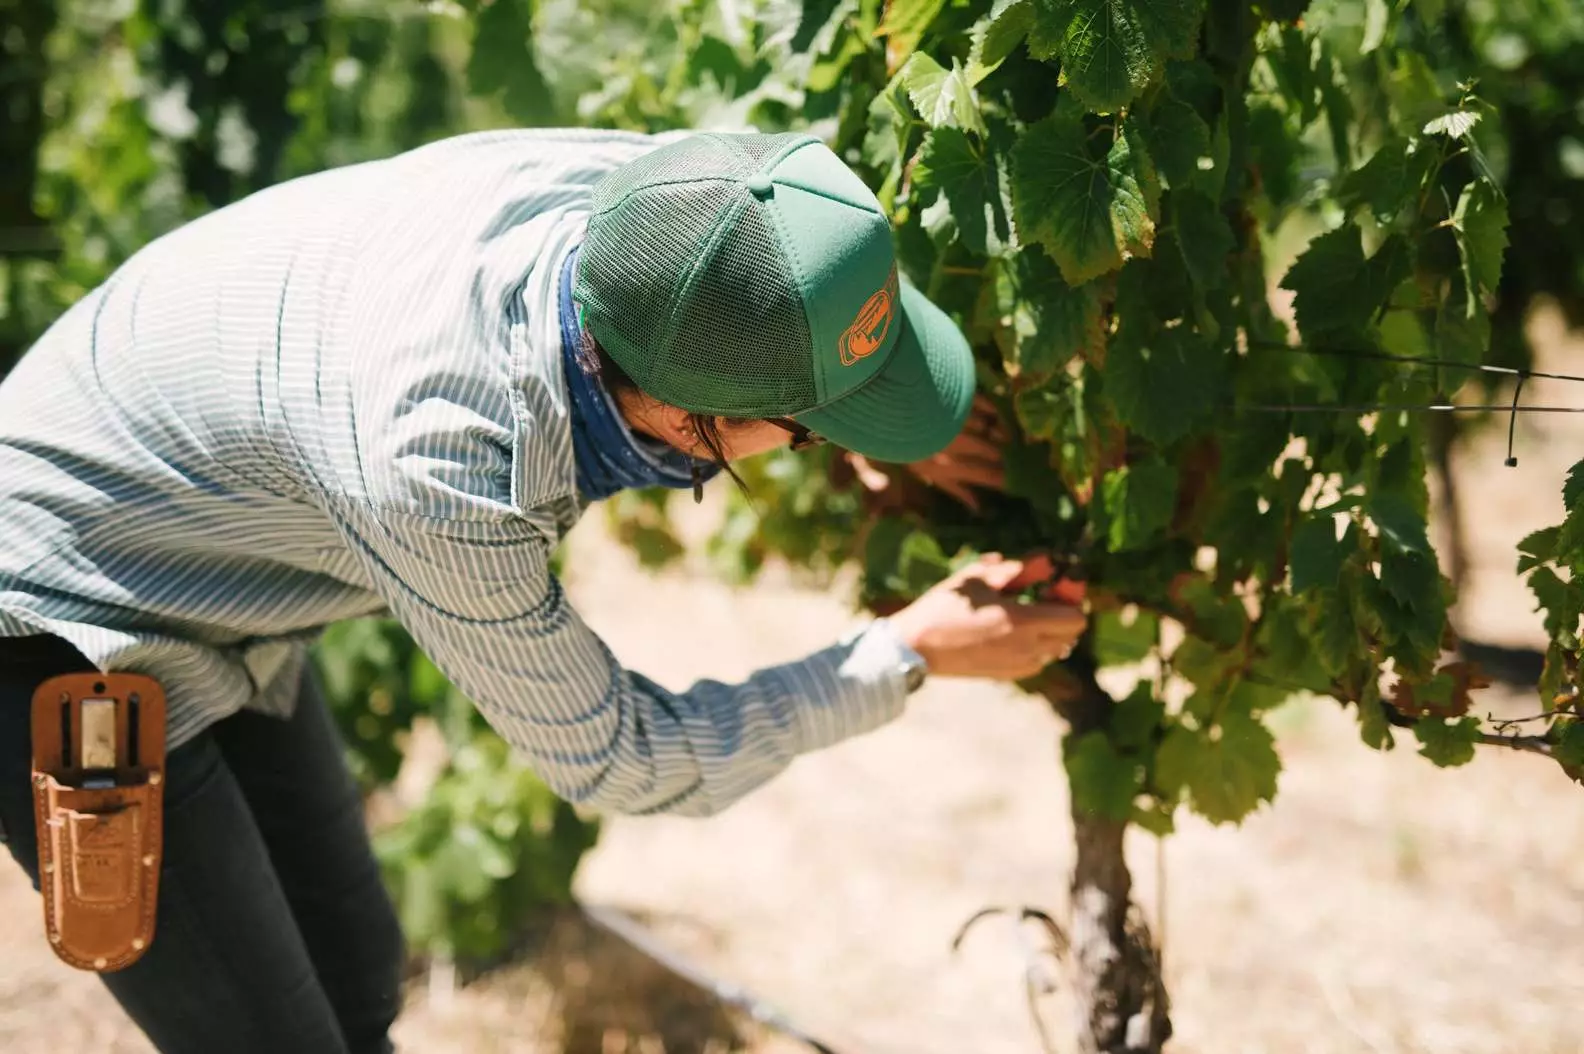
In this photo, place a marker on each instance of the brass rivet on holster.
(154, 779)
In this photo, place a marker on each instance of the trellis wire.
(1513, 409)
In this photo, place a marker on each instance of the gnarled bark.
(1118, 998)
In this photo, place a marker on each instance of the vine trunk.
(1118, 998)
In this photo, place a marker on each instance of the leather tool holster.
(98, 801)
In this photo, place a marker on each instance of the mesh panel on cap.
(736, 341)
(692, 158)
(761, 148)
(634, 263)
(742, 338)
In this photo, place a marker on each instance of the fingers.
(1066, 591)
(994, 570)
(870, 477)
(1048, 619)
(1038, 567)
(1029, 666)
(953, 489)
(969, 445)
(969, 472)
(984, 419)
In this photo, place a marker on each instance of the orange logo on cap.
(868, 330)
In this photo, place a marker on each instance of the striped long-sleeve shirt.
(342, 396)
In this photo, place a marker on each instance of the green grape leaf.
(1406, 609)
(1570, 542)
(1462, 325)
(1563, 603)
(943, 97)
(1337, 636)
(1447, 743)
(1226, 774)
(1164, 388)
(1111, 50)
(1283, 652)
(1573, 488)
(1041, 410)
(1336, 290)
(1454, 125)
(1480, 224)
(1103, 781)
(1537, 547)
(1051, 321)
(1062, 197)
(1374, 730)
(1203, 664)
(997, 35)
(1555, 676)
(889, 123)
(1325, 284)
(1317, 555)
(1218, 616)
(1139, 499)
(970, 180)
(1399, 523)
(1136, 190)
(904, 25)
(1136, 719)
(1179, 141)
(1569, 750)
(1121, 642)
(1390, 182)
(1204, 236)
(1085, 210)
(1412, 579)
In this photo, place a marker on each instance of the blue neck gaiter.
(608, 455)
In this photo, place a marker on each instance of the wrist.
(906, 629)
(912, 665)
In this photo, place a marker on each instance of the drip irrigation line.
(627, 929)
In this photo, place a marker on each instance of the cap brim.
(917, 404)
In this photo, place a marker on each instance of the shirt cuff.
(871, 679)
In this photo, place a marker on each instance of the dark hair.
(597, 362)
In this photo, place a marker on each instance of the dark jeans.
(274, 934)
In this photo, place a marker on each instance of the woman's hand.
(967, 625)
(972, 460)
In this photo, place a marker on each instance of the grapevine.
(1165, 225)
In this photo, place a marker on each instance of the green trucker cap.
(751, 275)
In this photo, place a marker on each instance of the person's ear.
(672, 425)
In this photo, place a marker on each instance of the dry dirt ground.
(1381, 906)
